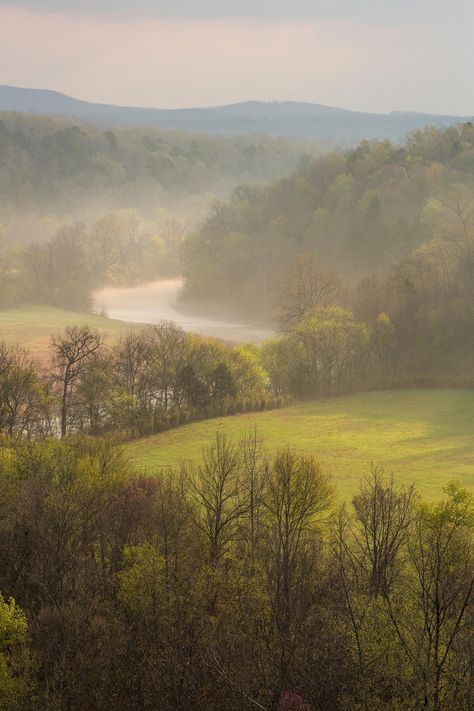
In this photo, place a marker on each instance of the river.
(149, 303)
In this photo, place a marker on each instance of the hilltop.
(287, 118)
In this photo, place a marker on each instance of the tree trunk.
(64, 405)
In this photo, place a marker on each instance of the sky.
(368, 55)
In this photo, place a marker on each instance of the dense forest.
(374, 245)
(363, 259)
(236, 356)
(359, 212)
(62, 165)
(235, 583)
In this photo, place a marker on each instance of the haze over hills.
(292, 119)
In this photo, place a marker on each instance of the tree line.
(233, 583)
(160, 377)
(146, 382)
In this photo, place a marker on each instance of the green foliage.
(142, 583)
(337, 349)
(285, 360)
(13, 631)
(357, 211)
(13, 626)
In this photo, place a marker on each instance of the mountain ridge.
(284, 118)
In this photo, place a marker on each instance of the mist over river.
(149, 303)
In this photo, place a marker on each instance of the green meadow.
(33, 326)
(421, 436)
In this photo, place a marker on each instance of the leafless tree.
(71, 352)
(458, 227)
(432, 612)
(23, 397)
(215, 486)
(298, 494)
(255, 470)
(166, 348)
(384, 515)
(306, 286)
(369, 549)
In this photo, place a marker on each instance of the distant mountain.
(288, 118)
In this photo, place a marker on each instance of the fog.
(236, 356)
(158, 300)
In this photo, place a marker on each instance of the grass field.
(422, 436)
(32, 326)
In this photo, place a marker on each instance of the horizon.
(297, 102)
(367, 58)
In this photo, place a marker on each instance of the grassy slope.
(32, 326)
(422, 436)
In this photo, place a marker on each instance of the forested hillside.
(300, 119)
(57, 164)
(358, 212)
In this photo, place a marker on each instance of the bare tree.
(431, 613)
(306, 286)
(298, 494)
(131, 374)
(23, 398)
(254, 482)
(369, 549)
(215, 486)
(71, 352)
(458, 228)
(166, 348)
(173, 231)
(384, 515)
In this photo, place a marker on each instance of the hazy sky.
(376, 55)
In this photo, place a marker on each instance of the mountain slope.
(305, 120)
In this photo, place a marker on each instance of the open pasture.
(422, 436)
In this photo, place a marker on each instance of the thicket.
(235, 583)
